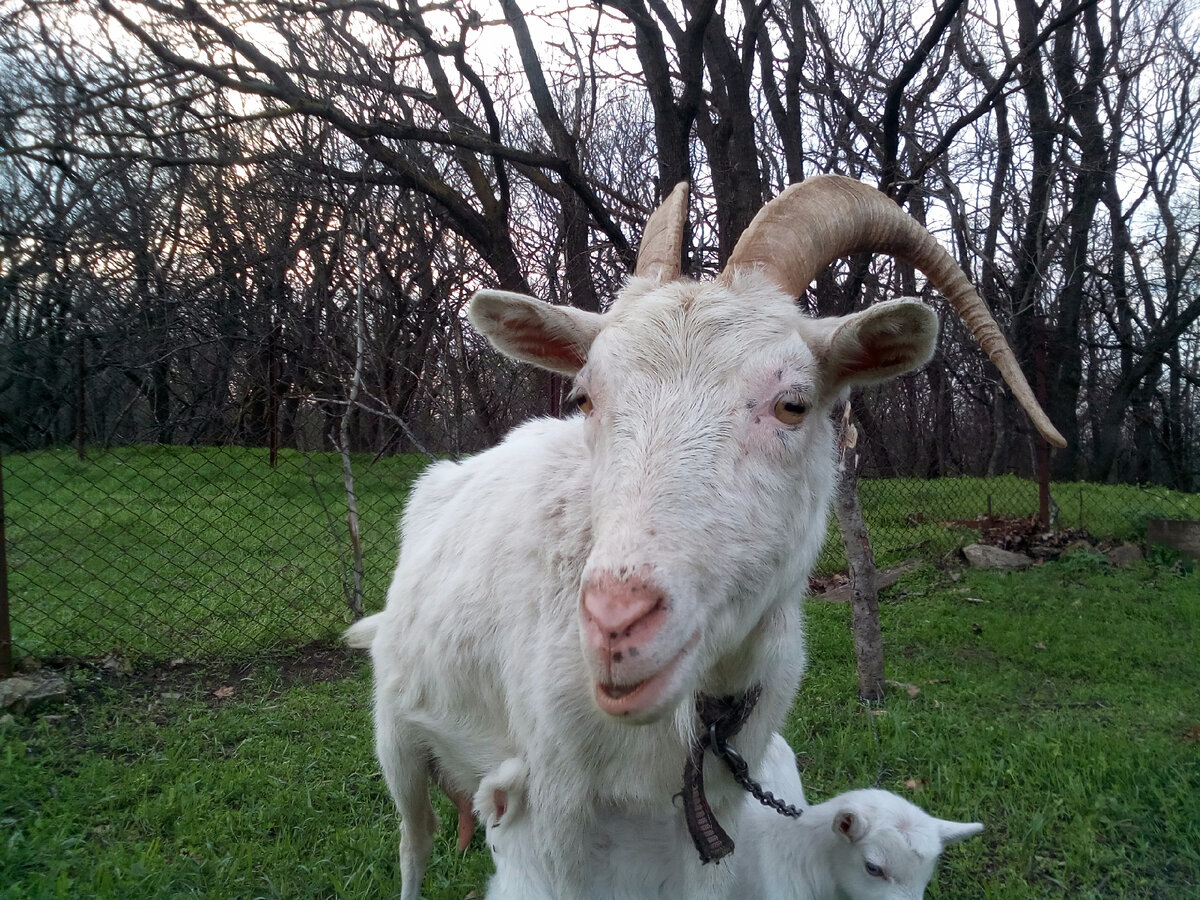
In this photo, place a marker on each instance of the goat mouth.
(628, 699)
(619, 691)
(640, 697)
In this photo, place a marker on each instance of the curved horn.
(821, 219)
(662, 241)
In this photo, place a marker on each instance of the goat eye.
(581, 402)
(790, 411)
(874, 871)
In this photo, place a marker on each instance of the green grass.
(1058, 711)
(153, 553)
(164, 552)
(271, 793)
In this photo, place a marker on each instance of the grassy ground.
(1058, 706)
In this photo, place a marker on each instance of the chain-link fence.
(154, 553)
(158, 553)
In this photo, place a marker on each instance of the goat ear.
(881, 342)
(953, 832)
(850, 825)
(499, 803)
(502, 791)
(552, 337)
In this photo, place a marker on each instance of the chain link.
(741, 774)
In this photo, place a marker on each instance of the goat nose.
(622, 612)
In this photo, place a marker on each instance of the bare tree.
(175, 207)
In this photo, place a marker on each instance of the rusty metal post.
(6, 660)
(273, 394)
(1043, 447)
(555, 391)
(80, 397)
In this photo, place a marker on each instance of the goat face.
(712, 463)
(706, 420)
(886, 848)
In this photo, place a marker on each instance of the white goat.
(860, 845)
(566, 596)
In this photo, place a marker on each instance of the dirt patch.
(1025, 534)
(837, 589)
(311, 664)
(214, 681)
(275, 672)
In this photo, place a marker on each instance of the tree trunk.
(864, 605)
(1082, 102)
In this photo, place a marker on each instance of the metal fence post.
(6, 661)
(1043, 446)
(80, 397)
(273, 394)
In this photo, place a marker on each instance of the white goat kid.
(860, 845)
(566, 596)
(501, 804)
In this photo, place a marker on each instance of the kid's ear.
(953, 832)
(850, 825)
(551, 337)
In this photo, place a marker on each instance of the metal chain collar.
(722, 718)
(740, 771)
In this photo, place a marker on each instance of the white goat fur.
(680, 478)
(860, 845)
(626, 856)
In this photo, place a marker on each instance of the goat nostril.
(617, 657)
(618, 611)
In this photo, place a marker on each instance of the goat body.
(564, 597)
(696, 491)
(623, 855)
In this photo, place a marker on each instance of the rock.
(1124, 555)
(26, 692)
(1178, 534)
(114, 663)
(14, 690)
(1079, 547)
(982, 556)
